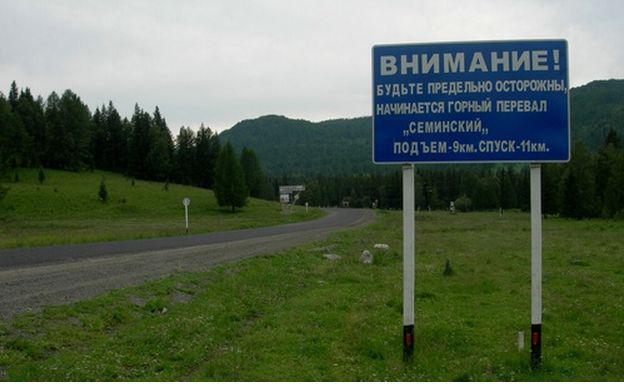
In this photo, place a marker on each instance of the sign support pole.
(186, 202)
(408, 261)
(536, 266)
(186, 216)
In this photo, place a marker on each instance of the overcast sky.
(220, 62)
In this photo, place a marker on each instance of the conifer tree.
(507, 193)
(254, 176)
(13, 138)
(13, 96)
(140, 143)
(523, 189)
(613, 138)
(5, 143)
(98, 140)
(605, 160)
(206, 152)
(185, 155)
(116, 151)
(160, 156)
(486, 193)
(551, 188)
(55, 151)
(230, 188)
(578, 200)
(614, 190)
(126, 134)
(30, 112)
(69, 132)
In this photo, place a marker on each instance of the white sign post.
(536, 266)
(408, 261)
(186, 202)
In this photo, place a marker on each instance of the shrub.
(463, 203)
(103, 193)
(41, 176)
(448, 270)
(3, 192)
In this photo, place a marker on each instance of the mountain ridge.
(300, 147)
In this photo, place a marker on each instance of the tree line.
(590, 185)
(60, 132)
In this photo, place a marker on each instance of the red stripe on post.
(409, 339)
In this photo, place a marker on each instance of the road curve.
(33, 277)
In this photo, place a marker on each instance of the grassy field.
(297, 316)
(66, 209)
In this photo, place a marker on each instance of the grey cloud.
(221, 62)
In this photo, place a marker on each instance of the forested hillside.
(597, 108)
(300, 147)
(61, 132)
(333, 158)
(333, 147)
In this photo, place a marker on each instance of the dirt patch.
(138, 301)
(324, 249)
(74, 321)
(180, 297)
(231, 271)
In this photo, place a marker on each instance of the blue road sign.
(471, 102)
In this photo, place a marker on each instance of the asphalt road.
(33, 277)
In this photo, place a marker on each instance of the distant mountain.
(301, 147)
(596, 108)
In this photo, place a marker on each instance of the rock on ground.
(366, 257)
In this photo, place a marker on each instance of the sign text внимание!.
(501, 101)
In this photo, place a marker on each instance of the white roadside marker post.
(186, 203)
(408, 261)
(536, 266)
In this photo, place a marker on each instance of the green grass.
(297, 316)
(66, 209)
